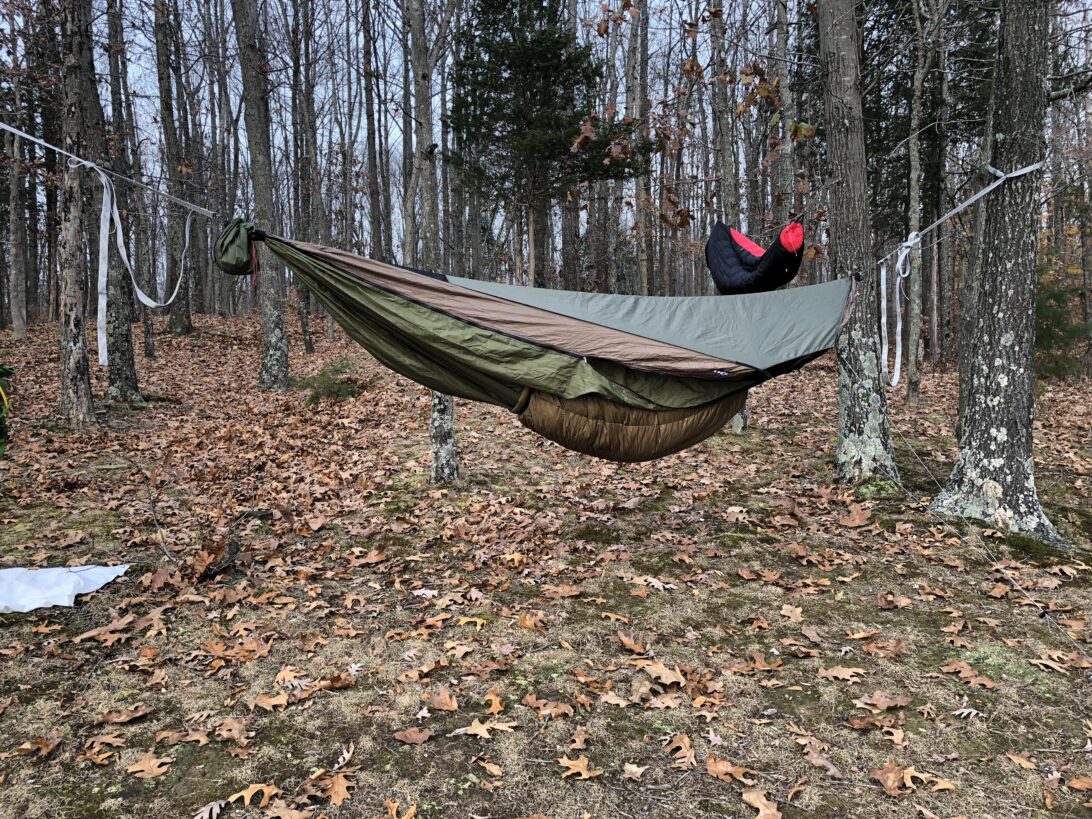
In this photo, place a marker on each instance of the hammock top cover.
(628, 378)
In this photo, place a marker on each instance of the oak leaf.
(211, 810)
(890, 776)
(150, 766)
(392, 811)
(681, 747)
(662, 674)
(337, 786)
(40, 746)
(581, 767)
(269, 702)
(496, 705)
(126, 716)
(281, 810)
(841, 673)
(1022, 761)
(725, 771)
(442, 700)
(249, 792)
(756, 798)
(878, 702)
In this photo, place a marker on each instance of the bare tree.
(273, 371)
(75, 404)
(864, 427)
(124, 386)
(17, 273)
(180, 322)
(994, 476)
(928, 18)
(423, 61)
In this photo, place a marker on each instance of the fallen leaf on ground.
(756, 798)
(249, 792)
(890, 776)
(150, 766)
(413, 736)
(581, 767)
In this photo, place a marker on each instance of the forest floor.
(309, 629)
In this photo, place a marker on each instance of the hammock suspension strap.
(902, 268)
(108, 213)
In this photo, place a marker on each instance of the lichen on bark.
(441, 427)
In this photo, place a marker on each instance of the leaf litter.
(311, 629)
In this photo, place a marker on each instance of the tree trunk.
(968, 297)
(375, 219)
(994, 477)
(75, 404)
(17, 233)
(538, 228)
(445, 455)
(784, 170)
(179, 321)
(724, 116)
(273, 372)
(17, 276)
(124, 387)
(913, 322)
(303, 140)
(864, 427)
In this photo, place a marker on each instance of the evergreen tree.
(522, 112)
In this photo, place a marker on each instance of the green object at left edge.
(233, 251)
(5, 404)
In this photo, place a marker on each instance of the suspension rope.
(109, 212)
(902, 268)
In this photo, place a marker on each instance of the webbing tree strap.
(902, 268)
(109, 212)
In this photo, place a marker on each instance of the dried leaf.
(579, 767)
(756, 798)
(150, 766)
(249, 792)
(413, 736)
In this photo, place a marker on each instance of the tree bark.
(75, 404)
(724, 117)
(17, 233)
(179, 321)
(273, 371)
(445, 455)
(17, 276)
(913, 322)
(864, 427)
(375, 218)
(123, 384)
(994, 476)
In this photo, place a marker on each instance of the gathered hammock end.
(626, 378)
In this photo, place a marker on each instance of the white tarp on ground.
(28, 589)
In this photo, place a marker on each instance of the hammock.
(626, 378)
